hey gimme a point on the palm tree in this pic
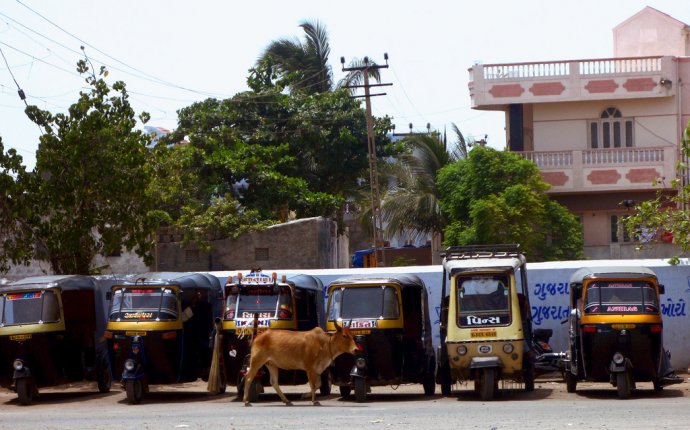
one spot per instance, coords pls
(411, 206)
(303, 65)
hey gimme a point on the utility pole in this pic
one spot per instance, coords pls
(377, 222)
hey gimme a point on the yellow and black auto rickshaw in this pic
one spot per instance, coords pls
(486, 325)
(616, 329)
(388, 315)
(51, 333)
(160, 327)
(259, 301)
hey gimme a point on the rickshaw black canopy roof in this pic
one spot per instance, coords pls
(61, 282)
(306, 282)
(611, 272)
(405, 280)
(181, 279)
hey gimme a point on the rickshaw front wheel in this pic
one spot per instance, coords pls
(657, 386)
(25, 391)
(223, 384)
(487, 386)
(135, 391)
(360, 390)
(529, 378)
(623, 384)
(325, 388)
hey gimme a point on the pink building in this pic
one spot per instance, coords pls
(604, 132)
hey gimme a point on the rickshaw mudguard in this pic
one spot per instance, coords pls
(22, 374)
(357, 372)
(618, 368)
(485, 362)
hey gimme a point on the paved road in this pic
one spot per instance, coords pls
(187, 406)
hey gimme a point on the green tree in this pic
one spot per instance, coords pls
(498, 197)
(87, 194)
(15, 212)
(668, 212)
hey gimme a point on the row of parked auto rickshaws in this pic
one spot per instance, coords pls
(166, 328)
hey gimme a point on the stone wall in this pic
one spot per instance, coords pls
(310, 243)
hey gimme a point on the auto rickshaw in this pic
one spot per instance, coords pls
(160, 327)
(389, 318)
(259, 301)
(486, 324)
(616, 329)
(51, 333)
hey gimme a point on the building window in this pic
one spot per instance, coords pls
(611, 130)
(261, 254)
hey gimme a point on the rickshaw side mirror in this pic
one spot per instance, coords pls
(662, 289)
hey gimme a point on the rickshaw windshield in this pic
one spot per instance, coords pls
(144, 304)
(261, 300)
(35, 307)
(364, 302)
(637, 297)
(483, 300)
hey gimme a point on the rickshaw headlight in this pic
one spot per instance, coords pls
(18, 365)
(508, 348)
(130, 365)
(360, 363)
(462, 350)
(618, 358)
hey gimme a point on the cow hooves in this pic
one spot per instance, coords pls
(247, 404)
(317, 403)
(288, 403)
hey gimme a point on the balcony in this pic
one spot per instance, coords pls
(606, 169)
(493, 86)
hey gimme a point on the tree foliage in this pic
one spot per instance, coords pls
(668, 213)
(497, 197)
(87, 193)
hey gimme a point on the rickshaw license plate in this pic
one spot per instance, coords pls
(356, 332)
(483, 334)
(19, 337)
(135, 333)
(622, 326)
(249, 331)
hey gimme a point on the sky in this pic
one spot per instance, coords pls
(172, 53)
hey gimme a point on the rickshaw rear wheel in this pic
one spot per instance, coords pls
(657, 386)
(25, 391)
(487, 386)
(570, 382)
(135, 391)
(325, 388)
(623, 384)
(360, 390)
(529, 378)
(345, 390)
(429, 384)
(223, 384)
(105, 379)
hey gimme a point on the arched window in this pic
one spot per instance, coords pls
(611, 130)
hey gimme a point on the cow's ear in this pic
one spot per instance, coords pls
(338, 328)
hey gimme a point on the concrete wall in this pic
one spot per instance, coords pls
(650, 32)
(549, 289)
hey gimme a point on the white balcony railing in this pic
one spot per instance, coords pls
(606, 66)
(594, 157)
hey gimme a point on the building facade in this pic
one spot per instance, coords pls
(605, 133)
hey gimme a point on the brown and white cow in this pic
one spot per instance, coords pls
(312, 351)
